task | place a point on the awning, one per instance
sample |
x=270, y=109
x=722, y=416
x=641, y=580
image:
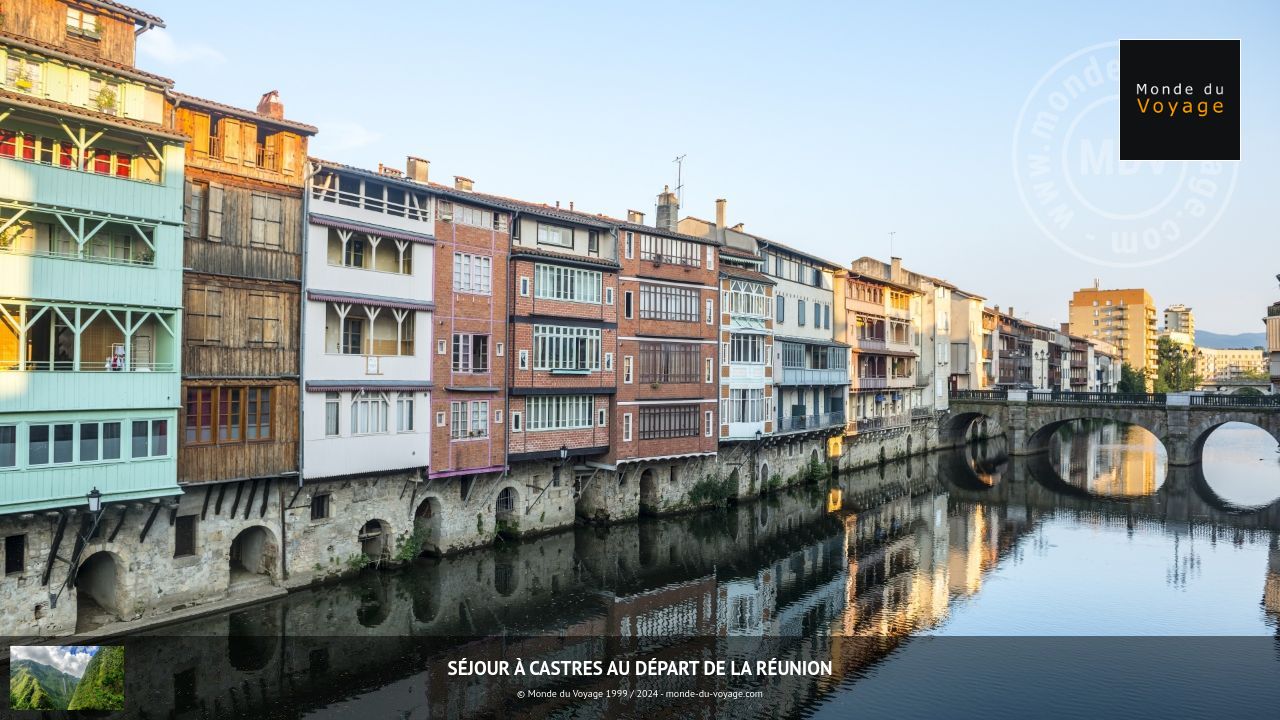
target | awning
x=370, y=300
x=749, y=326
x=369, y=229
x=372, y=385
x=890, y=353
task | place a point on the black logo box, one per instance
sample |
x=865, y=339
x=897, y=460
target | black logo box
x=1187, y=68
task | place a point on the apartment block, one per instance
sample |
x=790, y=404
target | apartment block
x=1125, y=318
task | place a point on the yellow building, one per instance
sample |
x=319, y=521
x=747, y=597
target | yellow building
x=1125, y=318
x=1214, y=364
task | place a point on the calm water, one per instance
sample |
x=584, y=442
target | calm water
x=1089, y=582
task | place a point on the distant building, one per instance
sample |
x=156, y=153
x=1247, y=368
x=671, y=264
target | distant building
x=1273, y=342
x=1125, y=318
x=1229, y=364
x=1180, y=319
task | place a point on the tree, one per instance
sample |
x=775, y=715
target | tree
x=1132, y=380
x=1176, y=367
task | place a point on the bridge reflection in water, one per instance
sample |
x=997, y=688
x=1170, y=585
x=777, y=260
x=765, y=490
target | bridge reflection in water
x=846, y=574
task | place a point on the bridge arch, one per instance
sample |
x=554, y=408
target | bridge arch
x=1200, y=432
x=957, y=428
x=1043, y=422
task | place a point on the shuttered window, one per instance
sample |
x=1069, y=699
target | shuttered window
x=265, y=226
x=264, y=320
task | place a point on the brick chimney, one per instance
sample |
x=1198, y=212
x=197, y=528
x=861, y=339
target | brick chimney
x=668, y=210
x=462, y=183
x=721, y=211
x=895, y=269
x=635, y=216
x=417, y=169
x=271, y=106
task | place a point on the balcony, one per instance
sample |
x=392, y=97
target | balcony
x=744, y=371
x=800, y=423
x=27, y=182
x=814, y=376
x=85, y=391
x=886, y=422
x=869, y=383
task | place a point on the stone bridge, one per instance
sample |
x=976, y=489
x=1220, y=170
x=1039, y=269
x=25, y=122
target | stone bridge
x=1181, y=422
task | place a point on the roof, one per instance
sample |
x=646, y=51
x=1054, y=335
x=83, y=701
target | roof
x=369, y=229
x=45, y=48
x=133, y=13
x=232, y=110
x=651, y=230
x=403, y=182
x=810, y=341
x=540, y=209
x=369, y=300
x=28, y=101
x=745, y=274
x=518, y=250
x=738, y=252
x=767, y=243
x=881, y=281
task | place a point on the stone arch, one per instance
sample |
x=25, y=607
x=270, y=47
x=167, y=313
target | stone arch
x=101, y=596
x=1043, y=423
x=1199, y=434
x=375, y=540
x=649, y=497
x=254, y=553
x=252, y=636
x=428, y=520
x=506, y=509
x=955, y=429
x=763, y=475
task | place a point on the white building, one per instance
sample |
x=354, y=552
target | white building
x=367, y=323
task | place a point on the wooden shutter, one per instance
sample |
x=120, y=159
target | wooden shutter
x=288, y=153
x=214, y=230
x=249, y=146
x=229, y=131
x=199, y=130
x=258, y=220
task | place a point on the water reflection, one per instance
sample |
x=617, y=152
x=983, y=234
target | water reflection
x=968, y=542
x=1242, y=465
x=1109, y=459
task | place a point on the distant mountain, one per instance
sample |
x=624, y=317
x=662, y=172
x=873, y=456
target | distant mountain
x=1204, y=338
x=102, y=687
x=36, y=686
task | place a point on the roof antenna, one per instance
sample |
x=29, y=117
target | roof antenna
x=891, y=234
x=679, y=161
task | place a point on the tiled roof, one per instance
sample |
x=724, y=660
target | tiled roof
x=542, y=209
x=602, y=262
x=370, y=300
x=636, y=227
x=738, y=252
x=45, y=48
x=767, y=243
x=134, y=13
x=745, y=274
x=357, y=385
x=41, y=104
x=232, y=110
x=406, y=182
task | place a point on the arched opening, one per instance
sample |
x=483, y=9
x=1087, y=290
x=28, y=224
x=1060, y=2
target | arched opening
x=426, y=524
x=253, y=557
x=374, y=604
x=504, y=509
x=1104, y=457
x=734, y=478
x=505, y=580
x=648, y=492
x=99, y=592
x=252, y=636
x=1240, y=463
x=966, y=427
x=762, y=479
x=373, y=539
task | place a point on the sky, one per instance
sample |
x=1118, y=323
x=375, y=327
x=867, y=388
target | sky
x=71, y=659
x=825, y=126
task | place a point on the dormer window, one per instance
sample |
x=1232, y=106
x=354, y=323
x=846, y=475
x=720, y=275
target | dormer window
x=82, y=24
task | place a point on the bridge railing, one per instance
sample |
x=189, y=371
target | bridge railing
x=979, y=394
x=1098, y=398
x=1263, y=401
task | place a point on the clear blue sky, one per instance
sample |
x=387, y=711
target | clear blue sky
x=825, y=125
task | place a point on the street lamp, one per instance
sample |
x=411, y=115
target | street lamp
x=564, y=453
x=95, y=501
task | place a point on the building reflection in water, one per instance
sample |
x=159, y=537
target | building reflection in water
x=1109, y=459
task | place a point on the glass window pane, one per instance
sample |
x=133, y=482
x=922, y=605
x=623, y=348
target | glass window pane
x=88, y=442
x=62, y=442
x=8, y=445
x=140, y=438
x=111, y=441
x=38, y=444
x=159, y=438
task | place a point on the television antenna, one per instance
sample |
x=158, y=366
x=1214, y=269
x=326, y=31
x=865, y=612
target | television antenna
x=891, y=234
x=679, y=161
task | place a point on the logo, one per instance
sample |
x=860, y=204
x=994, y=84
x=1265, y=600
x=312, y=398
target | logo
x=1087, y=198
x=1180, y=99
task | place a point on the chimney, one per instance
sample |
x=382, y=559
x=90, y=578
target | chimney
x=570, y=206
x=462, y=183
x=417, y=168
x=1097, y=284
x=895, y=269
x=668, y=210
x=721, y=211
x=271, y=106
x=635, y=216
x=1011, y=313
x=737, y=228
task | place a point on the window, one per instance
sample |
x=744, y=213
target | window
x=669, y=250
x=199, y=430
x=669, y=362
x=709, y=370
x=404, y=412
x=332, y=406
x=111, y=441
x=608, y=296
x=369, y=414
x=746, y=349
x=561, y=348
x=746, y=405
x=352, y=335
x=517, y=422
x=257, y=424
x=81, y=23
x=473, y=216
x=184, y=536
x=197, y=201
x=559, y=412
x=792, y=355
x=602, y=417
x=150, y=438
x=264, y=320
x=711, y=311
x=8, y=446
x=230, y=414
x=353, y=252
x=15, y=554
x=626, y=427
x=524, y=287
x=553, y=282
x=826, y=317
x=708, y=423
x=497, y=416
x=204, y=315
x=593, y=242
x=264, y=221
x=629, y=249
x=469, y=419
x=626, y=305
x=38, y=445
x=554, y=235
x=608, y=361
x=320, y=506
x=800, y=313
x=711, y=258
x=668, y=421
x=440, y=419
x=472, y=273
x=626, y=369
x=662, y=302
x=470, y=353
x=745, y=298
x=523, y=360
x=782, y=309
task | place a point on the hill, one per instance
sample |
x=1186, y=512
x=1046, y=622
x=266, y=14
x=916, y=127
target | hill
x=102, y=687
x=34, y=685
x=1204, y=338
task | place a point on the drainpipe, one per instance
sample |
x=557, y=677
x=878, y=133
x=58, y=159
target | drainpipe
x=511, y=352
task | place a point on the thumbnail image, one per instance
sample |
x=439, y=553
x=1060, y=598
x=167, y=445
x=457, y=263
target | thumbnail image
x=73, y=677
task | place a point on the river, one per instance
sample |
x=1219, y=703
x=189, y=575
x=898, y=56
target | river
x=1093, y=581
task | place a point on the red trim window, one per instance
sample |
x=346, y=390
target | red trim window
x=66, y=155
x=28, y=147
x=199, y=416
x=8, y=144
x=101, y=162
x=124, y=165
